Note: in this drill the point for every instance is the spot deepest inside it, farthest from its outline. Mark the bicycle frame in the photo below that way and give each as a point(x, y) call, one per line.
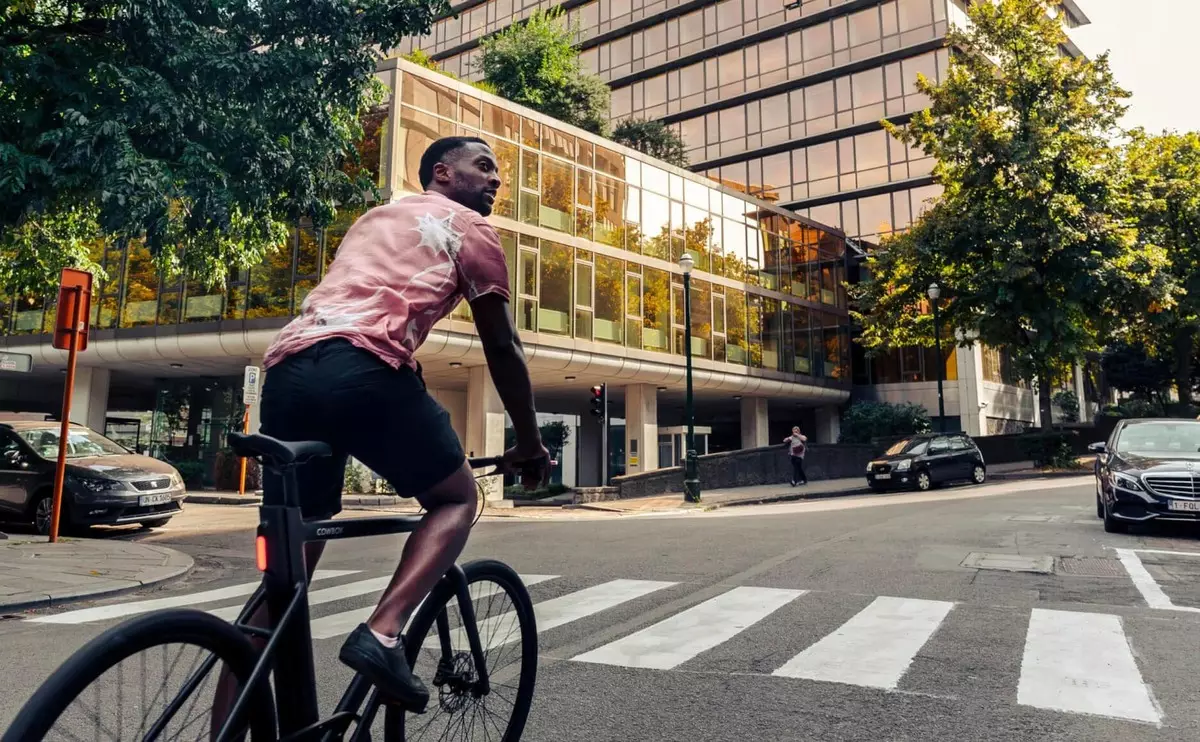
point(281, 537)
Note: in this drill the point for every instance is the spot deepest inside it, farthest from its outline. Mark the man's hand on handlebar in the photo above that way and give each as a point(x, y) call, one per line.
point(532, 461)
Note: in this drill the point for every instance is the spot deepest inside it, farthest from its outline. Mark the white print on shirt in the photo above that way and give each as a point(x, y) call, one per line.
point(438, 234)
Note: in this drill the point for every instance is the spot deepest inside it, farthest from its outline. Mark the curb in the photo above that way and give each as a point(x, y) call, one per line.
point(171, 574)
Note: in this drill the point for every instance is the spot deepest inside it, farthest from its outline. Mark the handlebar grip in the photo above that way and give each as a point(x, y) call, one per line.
point(482, 463)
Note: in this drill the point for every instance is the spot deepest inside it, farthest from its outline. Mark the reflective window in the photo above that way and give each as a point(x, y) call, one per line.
point(656, 309)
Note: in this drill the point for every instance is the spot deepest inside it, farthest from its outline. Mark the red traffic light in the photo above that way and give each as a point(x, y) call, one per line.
point(597, 392)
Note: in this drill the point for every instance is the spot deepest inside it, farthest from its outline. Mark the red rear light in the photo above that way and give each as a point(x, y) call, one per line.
point(260, 553)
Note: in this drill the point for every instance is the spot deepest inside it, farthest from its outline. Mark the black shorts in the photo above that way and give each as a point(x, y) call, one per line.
point(347, 397)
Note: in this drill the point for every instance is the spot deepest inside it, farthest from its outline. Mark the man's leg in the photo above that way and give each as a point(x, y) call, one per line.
point(429, 551)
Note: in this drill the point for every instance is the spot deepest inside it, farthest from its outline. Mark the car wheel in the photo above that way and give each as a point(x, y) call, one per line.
point(924, 481)
point(43, 509)
point(979, 474)
point(1099, 506)
point(1112, 525)
point(149, 524)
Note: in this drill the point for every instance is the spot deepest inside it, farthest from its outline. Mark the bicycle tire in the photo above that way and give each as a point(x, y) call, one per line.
point(130, 638)
point(508, 580)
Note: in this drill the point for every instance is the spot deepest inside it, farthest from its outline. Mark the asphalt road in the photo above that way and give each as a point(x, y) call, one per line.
point(866, 618)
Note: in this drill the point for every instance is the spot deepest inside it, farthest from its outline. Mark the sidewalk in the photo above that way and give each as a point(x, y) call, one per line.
point(36, 574)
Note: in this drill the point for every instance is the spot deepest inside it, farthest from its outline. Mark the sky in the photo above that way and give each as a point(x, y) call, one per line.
point(1152, 45)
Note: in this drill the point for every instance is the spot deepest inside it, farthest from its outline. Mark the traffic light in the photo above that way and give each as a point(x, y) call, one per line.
point(599, 402)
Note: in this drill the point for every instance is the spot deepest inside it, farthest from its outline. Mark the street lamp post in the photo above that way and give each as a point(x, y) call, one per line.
point(691, 475)
point(935, 292)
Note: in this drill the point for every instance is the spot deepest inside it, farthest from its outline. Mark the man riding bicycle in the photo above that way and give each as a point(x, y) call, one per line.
point(343, 372)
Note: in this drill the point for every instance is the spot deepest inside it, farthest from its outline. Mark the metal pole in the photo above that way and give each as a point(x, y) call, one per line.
point(242, 474)
point(691, 477)
point(937, 344)
point(64, 428)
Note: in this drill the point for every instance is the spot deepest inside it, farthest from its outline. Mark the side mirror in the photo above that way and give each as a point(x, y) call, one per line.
point(1098, 447)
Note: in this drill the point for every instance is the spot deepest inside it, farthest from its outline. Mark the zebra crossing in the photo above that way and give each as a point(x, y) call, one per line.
point(1071, 662)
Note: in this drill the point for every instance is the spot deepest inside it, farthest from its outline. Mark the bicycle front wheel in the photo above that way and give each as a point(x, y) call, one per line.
point(154, 677)
point(440, 654)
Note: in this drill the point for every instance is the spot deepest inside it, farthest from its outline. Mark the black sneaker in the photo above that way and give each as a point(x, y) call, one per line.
point(387, 668)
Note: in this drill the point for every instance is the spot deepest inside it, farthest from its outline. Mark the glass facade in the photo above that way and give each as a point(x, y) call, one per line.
point(768, 291)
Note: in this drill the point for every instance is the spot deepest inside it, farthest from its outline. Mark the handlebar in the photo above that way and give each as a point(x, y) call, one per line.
point(484, 462)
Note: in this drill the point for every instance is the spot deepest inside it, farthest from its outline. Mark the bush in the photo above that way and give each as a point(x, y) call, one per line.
point(1068, 402)
point(1052, 449)
point(191, 471)
point(517, 492)
point(866, 421)
point(355, 479)
point(227, 470)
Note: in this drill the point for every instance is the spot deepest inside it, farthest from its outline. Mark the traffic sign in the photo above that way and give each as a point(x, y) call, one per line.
point(19, 362)
point(251, 385)
point(74, 310)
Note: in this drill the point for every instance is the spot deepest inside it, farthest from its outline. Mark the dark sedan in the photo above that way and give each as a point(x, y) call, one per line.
point(1148, 470)
point(925, 461)
point(104, 483)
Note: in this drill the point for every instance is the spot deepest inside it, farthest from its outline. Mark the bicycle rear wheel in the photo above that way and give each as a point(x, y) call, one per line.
point(438, 649)
point(131, 668)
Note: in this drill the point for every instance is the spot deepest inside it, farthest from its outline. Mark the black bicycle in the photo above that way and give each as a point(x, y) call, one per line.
point(473, 638)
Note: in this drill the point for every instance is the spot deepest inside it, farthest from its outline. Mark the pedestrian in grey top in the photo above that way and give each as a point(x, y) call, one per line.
point(797, 446)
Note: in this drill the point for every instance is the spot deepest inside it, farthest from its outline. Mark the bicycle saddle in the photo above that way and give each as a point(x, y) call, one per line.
point(276, 452)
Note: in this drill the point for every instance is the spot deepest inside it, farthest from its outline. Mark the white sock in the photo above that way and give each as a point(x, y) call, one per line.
point(388, 641)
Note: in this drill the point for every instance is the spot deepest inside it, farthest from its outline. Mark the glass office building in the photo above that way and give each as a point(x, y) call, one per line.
point(781, 100)
point(592, 233)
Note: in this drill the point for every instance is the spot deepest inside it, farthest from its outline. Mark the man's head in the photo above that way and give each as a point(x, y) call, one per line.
point(796, 430)
point(464, 169)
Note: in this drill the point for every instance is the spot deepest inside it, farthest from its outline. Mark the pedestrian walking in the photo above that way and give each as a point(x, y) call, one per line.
point(797, 444)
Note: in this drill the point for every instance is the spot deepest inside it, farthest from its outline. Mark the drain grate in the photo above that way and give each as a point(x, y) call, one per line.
point(1090, 567)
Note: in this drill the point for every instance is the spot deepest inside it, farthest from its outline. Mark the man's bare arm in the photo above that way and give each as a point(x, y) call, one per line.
point(506, 362)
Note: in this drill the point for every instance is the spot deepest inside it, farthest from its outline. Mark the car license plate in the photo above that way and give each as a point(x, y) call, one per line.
point(883, 476)
point(154, 499)
point(1189, 505)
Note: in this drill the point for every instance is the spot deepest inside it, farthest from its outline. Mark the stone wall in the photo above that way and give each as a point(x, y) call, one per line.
point(752, 466)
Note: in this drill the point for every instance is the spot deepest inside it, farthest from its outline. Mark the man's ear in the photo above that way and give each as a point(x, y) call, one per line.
point(441, 172)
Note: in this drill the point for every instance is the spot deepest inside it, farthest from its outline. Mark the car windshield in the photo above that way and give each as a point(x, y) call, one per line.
point(1162, 440)
point(80, 443)
point(908, 445)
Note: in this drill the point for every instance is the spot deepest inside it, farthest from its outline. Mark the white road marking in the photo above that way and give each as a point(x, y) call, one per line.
point(673, 641)
point(337, 624)
point(875, 647)
point(1150, 590)
point(118, 610)
point(317, 597)
point(565, 609)
point(1082, 663)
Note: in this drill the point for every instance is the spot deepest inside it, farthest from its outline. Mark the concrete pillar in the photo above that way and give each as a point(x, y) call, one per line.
point(829, 425)
point(589, 451)
point(1085, 413)
point(970, 387)
point(754, 422)
point(89, 397)
point(641, 428)
point(485, 424)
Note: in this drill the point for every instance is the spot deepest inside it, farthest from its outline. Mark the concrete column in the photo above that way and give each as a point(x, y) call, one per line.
point(829, 425)
point(970, 387)
point(641, 428)
point(89, 397)
point(754, 422)
point(1085, 413)
point(485, 424)
point(589, 451)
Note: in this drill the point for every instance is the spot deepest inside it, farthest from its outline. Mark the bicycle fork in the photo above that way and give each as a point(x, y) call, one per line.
point(447, 664)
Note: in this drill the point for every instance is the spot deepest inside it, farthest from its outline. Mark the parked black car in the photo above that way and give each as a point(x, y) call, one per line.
point(104, 483)
point(1148, 470)
point(924, 461)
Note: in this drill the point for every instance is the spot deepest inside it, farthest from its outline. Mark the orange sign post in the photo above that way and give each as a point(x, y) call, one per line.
point(71, 335)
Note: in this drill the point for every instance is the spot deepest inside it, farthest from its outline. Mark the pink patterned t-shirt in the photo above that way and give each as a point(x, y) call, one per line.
point(400, 268)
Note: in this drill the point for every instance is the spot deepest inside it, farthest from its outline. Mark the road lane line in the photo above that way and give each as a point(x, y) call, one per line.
point(317, 597)
point(337, 624)
point(675, 640)
point(118, 610)
point(565, 609)
point(1082, 663)
point(1150, 590)
point(874, 648)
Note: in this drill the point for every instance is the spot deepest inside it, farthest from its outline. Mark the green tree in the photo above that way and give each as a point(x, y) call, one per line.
point(651, 137)
point(1028, 240)
point(1130, 367)
point(1164, 187)
point(202, 129)
point(535, 64)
